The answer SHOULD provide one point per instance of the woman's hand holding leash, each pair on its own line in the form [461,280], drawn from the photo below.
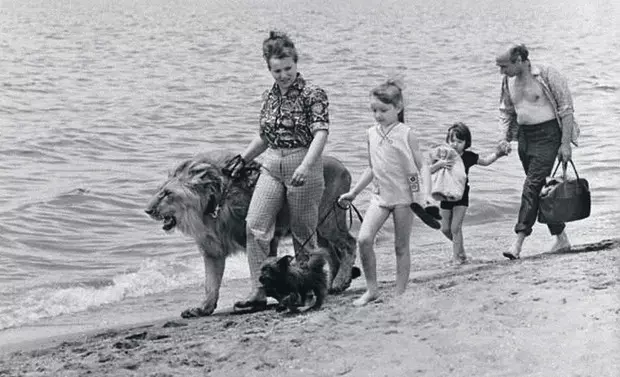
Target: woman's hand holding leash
[234,166]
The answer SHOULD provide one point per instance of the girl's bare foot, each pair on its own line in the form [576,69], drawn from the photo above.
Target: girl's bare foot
[400,291]
[458,261]
[366,298]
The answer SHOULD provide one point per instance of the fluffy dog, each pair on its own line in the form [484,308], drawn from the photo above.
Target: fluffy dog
[290,284]
[207,205]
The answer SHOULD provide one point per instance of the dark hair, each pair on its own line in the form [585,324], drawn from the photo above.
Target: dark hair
[391,93]
[518,51]
[278,45]
[461,132]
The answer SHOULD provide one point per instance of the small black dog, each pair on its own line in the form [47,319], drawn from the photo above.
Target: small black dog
[290,284]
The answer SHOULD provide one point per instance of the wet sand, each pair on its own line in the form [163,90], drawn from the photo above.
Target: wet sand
[545,315]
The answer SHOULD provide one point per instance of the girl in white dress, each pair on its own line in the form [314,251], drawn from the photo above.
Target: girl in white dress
[400,176]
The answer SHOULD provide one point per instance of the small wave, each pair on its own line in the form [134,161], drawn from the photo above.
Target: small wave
[152,277]
[606,88]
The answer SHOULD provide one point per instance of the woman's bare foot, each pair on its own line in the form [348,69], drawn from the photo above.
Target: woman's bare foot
[366,298]
[256,300]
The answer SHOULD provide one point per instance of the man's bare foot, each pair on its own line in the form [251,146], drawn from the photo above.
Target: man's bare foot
[562,244]
[515,250]
[366,298]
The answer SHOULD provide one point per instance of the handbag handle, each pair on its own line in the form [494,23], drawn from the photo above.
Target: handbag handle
[564,168]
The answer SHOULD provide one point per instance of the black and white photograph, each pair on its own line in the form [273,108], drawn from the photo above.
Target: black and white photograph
[309,188]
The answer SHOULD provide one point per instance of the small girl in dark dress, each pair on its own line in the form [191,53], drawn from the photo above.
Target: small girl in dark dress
[453,213]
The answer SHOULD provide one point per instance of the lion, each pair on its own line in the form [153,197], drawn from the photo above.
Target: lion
[207,205]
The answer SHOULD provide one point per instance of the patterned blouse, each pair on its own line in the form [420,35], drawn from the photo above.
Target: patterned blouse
[290,120]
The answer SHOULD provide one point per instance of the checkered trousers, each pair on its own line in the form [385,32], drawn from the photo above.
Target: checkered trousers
[272,193]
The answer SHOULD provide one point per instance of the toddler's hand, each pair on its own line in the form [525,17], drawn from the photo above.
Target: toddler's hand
[446,163]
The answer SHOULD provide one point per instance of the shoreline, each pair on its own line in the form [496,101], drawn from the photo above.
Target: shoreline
[547,314]
[430,251]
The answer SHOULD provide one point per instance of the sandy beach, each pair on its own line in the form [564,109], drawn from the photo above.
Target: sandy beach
[545,315]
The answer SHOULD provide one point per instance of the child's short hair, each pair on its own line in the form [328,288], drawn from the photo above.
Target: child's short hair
[391,93]
[461,132]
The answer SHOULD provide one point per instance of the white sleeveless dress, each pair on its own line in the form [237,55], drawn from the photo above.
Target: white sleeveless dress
[396,177]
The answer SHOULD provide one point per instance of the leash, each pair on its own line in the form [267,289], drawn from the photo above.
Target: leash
[242,176]
[352,208]
[336,205]
[233,165]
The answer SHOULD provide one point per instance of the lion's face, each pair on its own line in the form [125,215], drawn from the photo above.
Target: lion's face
[184,199]
[166,205]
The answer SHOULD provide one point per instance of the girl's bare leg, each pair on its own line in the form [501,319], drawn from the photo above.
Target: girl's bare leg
[456,228]
[373,220]
[403,220]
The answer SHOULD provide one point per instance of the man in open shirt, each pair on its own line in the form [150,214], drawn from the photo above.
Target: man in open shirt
[536,109]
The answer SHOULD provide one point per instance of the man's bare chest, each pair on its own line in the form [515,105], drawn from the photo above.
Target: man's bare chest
[526,91]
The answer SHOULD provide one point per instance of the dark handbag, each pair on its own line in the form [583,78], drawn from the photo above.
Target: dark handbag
[563,200]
